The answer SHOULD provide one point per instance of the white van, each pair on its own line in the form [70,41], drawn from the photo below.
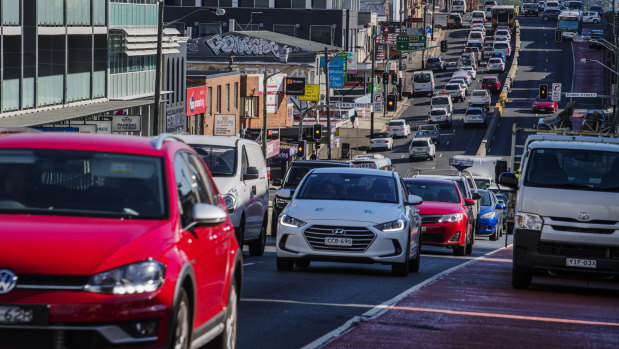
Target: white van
[423,82]
[239,170]
[442,101]
[458,6]
[502,46]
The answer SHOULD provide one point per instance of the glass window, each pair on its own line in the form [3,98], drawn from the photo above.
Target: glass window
[236,95]
[219,98]
[220,160]
[319,3]
[298,3]
[227,97]
[320,33]
[204,186]
[210,101]
[261,4]
[485,198]
[287,29]
[249,107]
[246,3]
[244,162]
[283,3]
[187,197]
[348,186]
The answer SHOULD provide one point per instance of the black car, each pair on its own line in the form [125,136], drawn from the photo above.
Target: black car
[551,14]
[597,38]
[293,177]
[436,63]
[530,9]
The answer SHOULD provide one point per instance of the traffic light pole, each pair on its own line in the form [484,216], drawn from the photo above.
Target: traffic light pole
[372,80]
[386,87]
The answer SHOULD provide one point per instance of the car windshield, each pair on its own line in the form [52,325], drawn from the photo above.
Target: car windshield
[452,87]
[82,183]
[221,161]
[396,123]
[295,175]
[349,186]
[426,128]
[473,112]
[440,100]
[485,198]
[495,60]
[482,183]
[433,191]
[573,169]
[422,78]
[380,135]
[479,93]
[437,112]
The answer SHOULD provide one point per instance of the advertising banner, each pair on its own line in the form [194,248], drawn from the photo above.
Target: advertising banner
[196,100]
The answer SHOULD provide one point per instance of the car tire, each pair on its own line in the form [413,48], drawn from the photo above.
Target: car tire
[460,250]
[256,247]
[468,248]
[410,158]
[416,262]
[284,264]
[595,21]
[521,278]
[495,235]
[302,264]
[401,269]
[180,331]
[240,234]
[227,339]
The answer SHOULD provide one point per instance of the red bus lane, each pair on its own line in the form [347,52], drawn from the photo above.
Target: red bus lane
[588,77]
[475,307]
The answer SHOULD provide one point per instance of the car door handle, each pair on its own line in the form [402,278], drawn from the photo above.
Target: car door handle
[253,190]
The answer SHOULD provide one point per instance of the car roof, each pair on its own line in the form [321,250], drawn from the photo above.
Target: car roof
[421,139]
[214,140]
[321,163]
[353,170]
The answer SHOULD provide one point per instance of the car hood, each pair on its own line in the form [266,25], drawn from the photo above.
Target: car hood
[544,103]
[439,208]
[78,246]
[225,183]
[344,211]
[485,209]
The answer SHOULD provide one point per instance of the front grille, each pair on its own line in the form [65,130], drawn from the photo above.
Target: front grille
[432,238]
[572,220]
[361,238]
[582,230]
[43,281]
[578,251]
[430,219]
[29,338]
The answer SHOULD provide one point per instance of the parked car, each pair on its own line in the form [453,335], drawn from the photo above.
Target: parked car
[380,140]
[498,54]
[495,64]
[350,215]
[474,116]
[297,170]
[240,172]
[490,220]
[445,214]
[544,106]
[480,98]
[454,20]
[421,147]
[440,116]
[491,83]
[456,91]
[436,63]
[590,17]
[442,101]
[119,241]
[431,131]
[398,128]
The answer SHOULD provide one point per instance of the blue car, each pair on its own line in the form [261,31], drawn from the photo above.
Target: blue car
[499,55]
[490,220]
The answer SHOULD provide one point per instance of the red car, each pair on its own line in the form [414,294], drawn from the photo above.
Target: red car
[113,241]
[491,83]
[540,106]
[445,218]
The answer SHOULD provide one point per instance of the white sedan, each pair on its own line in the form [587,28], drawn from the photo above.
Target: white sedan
[350,215]
[381,140]
[472,72]
[495,64]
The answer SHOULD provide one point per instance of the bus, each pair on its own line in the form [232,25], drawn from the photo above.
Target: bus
[503,15]
[569,24]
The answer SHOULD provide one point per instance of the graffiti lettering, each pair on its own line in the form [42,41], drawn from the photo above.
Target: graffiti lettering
[243,45]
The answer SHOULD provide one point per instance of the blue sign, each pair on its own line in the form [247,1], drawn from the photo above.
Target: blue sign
[334,62]
[429,30]
[336,71]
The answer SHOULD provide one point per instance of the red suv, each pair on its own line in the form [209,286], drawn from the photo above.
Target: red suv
[113,241]
[445,219]
[491,83]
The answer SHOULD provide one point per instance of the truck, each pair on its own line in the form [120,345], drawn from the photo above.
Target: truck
[565,204]
[503,15]
[484,169]
[480,98]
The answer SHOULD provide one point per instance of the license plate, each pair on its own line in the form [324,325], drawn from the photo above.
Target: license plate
[346,242]
[424,228]
[542,109]
[420,149]
[14,315]
[581,263]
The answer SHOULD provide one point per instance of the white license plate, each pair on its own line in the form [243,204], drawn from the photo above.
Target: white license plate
[10,314]
[542,109]
[346,242]
[420,149]
[581,263]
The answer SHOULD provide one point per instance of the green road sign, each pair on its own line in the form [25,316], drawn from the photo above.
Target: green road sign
[410,42]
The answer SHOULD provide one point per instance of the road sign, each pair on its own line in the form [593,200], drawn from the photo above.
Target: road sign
[295,86]
[581,94]
[410,42]
[556,91]
[378,107]
[378,98]
[345,105]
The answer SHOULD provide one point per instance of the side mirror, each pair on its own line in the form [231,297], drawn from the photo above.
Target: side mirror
[414,200]
[469,202]
[284,193]
[207,214]
[499,207]
[252,173]
[509,180]
[277,182]
[476,196]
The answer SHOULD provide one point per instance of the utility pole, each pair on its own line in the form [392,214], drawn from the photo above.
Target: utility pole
[372,80]
[156,119]
[328,104]
[425,32]
[386,86]
[264,110]
[433,10]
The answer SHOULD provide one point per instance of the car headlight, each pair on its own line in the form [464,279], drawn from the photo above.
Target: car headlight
[488,215]
[281,202]
[529,221]
[290,221]
[396,225]
[450,218]
[230,199]
[141,277]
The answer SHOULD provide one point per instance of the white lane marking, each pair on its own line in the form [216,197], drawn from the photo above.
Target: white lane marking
[384,306]
[447,142]
[402,157]
[246,264]
[440,155]
[266,249]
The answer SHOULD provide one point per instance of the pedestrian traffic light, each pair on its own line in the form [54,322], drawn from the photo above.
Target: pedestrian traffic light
[394,78]
[391,103]
[543,92]
[558,36]
[443,45]
[301,149]
[317,131]
[385,78]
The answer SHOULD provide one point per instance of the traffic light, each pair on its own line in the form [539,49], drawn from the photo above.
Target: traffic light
[394,78]
[543,92]
[558,36]
[385,78]
[391,103]
[301,149]
[317,131]
[443,45]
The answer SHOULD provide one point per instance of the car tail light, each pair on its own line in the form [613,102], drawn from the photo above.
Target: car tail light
[387,141]
[460,91]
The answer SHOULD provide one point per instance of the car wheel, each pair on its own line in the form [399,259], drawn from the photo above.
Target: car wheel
[494,235]
[595,21]
[227,339]
[240,233]
[416,262]
[302,264]
[521,278]
[460,250]
[180,337]
[256,247]
[410,158]
[284,264]
[401,269]
[469,246]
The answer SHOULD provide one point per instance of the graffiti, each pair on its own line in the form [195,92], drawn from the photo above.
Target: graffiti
[293,73]
[243,45]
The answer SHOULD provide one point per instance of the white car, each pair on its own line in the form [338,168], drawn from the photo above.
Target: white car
[381,140]
[240,173]
[421,147]
[463,74]
[456,91]
[495,64]
[472,72]
[501,37]
[350,215]
[503,33]
[475,35]
[474,116]
[590,17]
[461,81]
[440,116]
[478,28]
[398,128]
[502,46]
[442,101]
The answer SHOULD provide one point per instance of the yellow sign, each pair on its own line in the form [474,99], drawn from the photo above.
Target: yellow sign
[312,93]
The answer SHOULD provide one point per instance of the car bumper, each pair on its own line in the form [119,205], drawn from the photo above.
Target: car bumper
[418,154]
[397,133]
[474,121]
[380,146]
[486,226]
[374,246]
[543,109]
[439,121]
[443,234]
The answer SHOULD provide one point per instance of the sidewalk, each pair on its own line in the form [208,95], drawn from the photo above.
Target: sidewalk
[474,306]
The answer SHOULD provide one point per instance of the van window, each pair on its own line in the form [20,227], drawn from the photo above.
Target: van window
[440,100]
[500,45]
[422,78]
[420,143]
[458,2]
[220,160]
